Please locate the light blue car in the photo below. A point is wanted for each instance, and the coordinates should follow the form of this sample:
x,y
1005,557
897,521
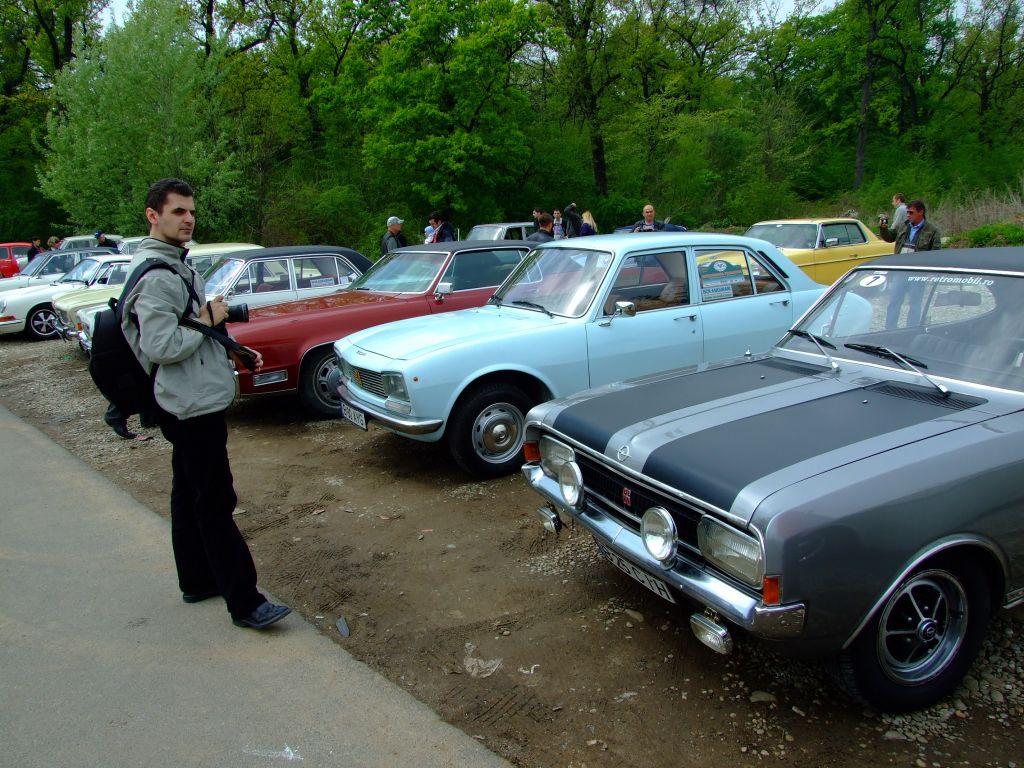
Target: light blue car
x,y
575,314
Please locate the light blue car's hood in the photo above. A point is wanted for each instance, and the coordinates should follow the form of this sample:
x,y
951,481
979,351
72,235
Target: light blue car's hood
x,y
405,339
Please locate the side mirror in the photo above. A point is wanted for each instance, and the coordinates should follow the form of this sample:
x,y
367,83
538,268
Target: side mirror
x,y
625,308
443,289
831,242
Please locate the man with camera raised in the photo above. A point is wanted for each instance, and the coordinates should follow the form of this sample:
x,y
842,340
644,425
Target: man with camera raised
x,y
193,382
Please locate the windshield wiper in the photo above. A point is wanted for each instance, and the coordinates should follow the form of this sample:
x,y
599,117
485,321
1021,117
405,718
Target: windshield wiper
x,y
495,299
820,343
534,305
906,360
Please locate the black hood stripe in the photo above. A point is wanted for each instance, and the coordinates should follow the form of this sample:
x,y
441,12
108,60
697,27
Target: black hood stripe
x,y
595,420
718,463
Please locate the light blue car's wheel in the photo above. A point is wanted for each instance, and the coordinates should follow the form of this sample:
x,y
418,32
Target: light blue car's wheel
x,y
486,431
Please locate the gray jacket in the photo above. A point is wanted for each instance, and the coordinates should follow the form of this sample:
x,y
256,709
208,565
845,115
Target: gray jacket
x,y
195,376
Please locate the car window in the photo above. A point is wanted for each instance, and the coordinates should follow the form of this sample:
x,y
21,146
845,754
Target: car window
x,y
264,276
786,235
854,234
728,273
20,250
59,263
118,273
651,281
317,272
562,281
402,272
480,269
837,232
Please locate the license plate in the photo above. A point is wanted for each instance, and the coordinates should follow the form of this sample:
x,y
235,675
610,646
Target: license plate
x,y
356,417
656,586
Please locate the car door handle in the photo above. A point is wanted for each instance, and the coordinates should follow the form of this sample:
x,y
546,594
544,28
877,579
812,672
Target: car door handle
x,y
692,317
784,302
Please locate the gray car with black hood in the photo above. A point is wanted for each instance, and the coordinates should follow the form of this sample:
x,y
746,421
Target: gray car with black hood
x,y
853,495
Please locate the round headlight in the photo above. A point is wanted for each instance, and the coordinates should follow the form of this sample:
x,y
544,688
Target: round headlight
x,y
570,482
658,531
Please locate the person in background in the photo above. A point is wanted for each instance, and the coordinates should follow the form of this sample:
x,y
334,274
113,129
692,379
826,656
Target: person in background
x,y
194,385
443,230
544,231
35,249
102,241
393,238
917,234
573,221
899,214
536,217
589,226
648,223
52,242
557,225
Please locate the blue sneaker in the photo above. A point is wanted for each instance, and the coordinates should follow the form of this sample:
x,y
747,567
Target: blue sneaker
x,y
264,616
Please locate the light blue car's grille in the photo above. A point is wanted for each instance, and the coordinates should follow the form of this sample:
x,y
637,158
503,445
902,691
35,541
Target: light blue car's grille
x,y
371,381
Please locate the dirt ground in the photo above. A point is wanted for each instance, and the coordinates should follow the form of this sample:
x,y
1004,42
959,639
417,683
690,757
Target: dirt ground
x,y
525,640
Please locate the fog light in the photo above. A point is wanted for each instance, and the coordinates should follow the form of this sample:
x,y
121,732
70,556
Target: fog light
x,y
658,531
570,482
712,634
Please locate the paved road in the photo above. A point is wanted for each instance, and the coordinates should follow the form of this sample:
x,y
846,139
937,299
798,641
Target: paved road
x,y
102,664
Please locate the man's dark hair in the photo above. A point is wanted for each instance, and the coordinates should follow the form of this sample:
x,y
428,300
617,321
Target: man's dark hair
x,y
159,191
917,205
545,219
900,196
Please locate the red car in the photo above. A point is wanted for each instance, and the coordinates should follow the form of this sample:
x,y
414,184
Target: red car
x,y
9,255
296,338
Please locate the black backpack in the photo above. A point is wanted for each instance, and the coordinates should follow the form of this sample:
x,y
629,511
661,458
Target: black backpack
x,y
118,374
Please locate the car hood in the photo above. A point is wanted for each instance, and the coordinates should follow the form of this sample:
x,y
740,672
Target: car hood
x,y
45,290
733,435
419,336
95,294
343,298
19,282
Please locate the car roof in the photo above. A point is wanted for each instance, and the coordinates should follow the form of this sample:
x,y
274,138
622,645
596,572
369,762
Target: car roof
x,y
94,250
463,245
506,224
1005,259
15,243
820,220
621,241
200,249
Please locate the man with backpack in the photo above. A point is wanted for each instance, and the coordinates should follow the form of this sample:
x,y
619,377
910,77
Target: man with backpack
x,y
193,383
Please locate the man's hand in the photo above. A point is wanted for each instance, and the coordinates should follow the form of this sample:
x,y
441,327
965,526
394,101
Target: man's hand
x,y
247,358
214,312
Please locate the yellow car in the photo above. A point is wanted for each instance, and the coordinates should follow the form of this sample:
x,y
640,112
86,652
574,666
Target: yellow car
x,y
826,249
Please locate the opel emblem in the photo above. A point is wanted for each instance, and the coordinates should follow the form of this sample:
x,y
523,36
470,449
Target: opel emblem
x,y
627,497
623,453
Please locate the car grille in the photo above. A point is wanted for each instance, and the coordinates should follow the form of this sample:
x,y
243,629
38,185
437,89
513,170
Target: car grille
x,y
605,489
371,381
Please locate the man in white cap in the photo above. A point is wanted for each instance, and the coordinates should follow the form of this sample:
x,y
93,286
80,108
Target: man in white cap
x,y
393,238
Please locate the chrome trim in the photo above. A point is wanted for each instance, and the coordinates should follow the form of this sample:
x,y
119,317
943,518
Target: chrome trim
x,y
406,426
697,583
936,548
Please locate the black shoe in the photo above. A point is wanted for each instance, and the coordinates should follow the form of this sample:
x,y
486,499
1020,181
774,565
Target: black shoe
x,y
198,597
149,422
121,429
263,616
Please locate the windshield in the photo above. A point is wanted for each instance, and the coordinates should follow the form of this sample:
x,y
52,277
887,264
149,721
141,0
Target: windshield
x,y
402,272
33,267
959,325
562,281
786,235
82,272
221,275
485,232
113,273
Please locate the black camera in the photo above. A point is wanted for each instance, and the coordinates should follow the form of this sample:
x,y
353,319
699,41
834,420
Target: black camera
x,y
238,313
883,220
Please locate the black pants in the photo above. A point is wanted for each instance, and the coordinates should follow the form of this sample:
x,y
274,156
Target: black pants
x,y
209,551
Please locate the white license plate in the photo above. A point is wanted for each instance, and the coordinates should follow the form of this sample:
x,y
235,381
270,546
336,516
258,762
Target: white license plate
x,y
656,586
356,417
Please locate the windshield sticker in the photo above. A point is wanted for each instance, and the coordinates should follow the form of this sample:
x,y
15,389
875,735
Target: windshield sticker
x,y
321,282
872,281
710,293
950,280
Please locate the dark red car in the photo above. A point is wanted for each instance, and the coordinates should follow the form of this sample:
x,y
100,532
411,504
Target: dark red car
x,y
9,255
296,338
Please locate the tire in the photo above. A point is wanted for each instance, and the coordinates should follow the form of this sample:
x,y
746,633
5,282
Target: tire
x,y
41,323
922,641
485,432
314,394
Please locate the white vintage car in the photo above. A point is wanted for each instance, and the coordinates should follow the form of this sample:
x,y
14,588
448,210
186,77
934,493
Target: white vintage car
x,y
31,309
575,314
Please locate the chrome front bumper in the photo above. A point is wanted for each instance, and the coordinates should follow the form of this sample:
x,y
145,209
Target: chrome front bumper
x,y
403,425
695,582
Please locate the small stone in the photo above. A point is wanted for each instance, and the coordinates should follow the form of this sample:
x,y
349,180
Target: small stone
x,y
893,736
762,696
971,684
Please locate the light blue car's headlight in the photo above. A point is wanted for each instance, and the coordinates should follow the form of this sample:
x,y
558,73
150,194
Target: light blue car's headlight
x,y
394,386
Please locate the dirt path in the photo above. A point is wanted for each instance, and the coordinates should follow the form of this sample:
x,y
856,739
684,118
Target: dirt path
x,y
524,640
